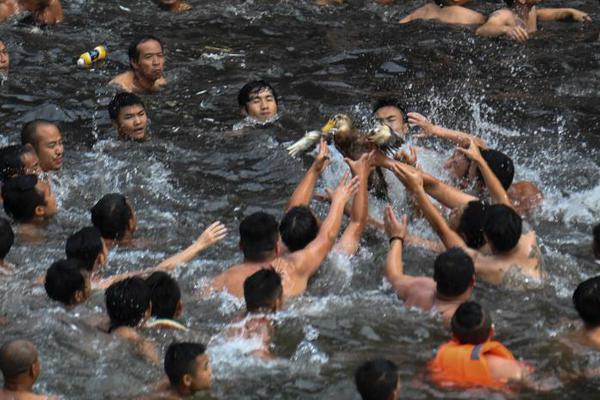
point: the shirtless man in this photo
(519, 19)
(20, 365)
(128, 114)
(512, 251)
(586, 300)
(446, 12)
(45, 12)
(4, 58)
(453, 277)
(259, 241)
(147, 62)
(175, 6)
(46, 139)
(258, 100)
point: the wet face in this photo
(458, 165)
(392, 117)
(151, 61)
(31, 163)
(132, 122)
(261, 105)
(4, 58)
(202, 377)
(49, 147)
(50, 208)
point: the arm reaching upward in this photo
(428, 129)
(304, 191)
(360, 207)
(447, 195)
(394, 266)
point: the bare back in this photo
(10, 395)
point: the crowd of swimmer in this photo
(484, 237)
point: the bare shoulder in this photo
(123, 81)
(127, 333)
(506, 370)
(504, 15)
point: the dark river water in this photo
(539, 102)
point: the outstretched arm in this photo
(447, 195)
(502, 23)
(561, 14)
(413, 181)
(308, 260)
(394, 267)
(304, 191)
(349, 241)
(428, 129)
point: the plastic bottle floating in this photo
(88, 58)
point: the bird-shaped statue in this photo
(352, 143)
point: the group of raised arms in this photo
(477, 215)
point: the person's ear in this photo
(34, 370)
(278, 248)
(187, 380)
(39, 211)
(78, 297)
(178, 308)
(131, 225)
(243, 111)
(473, 281)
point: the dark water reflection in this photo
(538, 102)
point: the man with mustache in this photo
(146, 62)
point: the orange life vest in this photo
(465, 365)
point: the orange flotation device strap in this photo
(465, 365)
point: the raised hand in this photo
(211, 235)
(410, 176)
(346, 189)
(472, 152)
(393, 227)
(422, 122)
(410, 159)
(362, 165)
(323, 159)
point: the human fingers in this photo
(353, 185)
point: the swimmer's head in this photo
(46, 139)
(187, 366)
(258, 99)
(298, 228)
(128, 114)
(459, 166)
(27, 198)
(502, 227)
(586, 300)
(263, 291)
(146, 57)
(390, 112)
(68, 281)
(501, 165)
(114, 217)
(453, 273)
(467, 221)
(4, 57)
(7, 237)
(19, 362)
(87, 246)
(378, 380)
(259, 237)
(165, 295)
(128, 302)
(596, 242)
(18, 160)
(471, 324)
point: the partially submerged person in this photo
(586, 299)
(87, 246)
(175, 6)
(146, 67)
(28, 199)
(378, 380)
(446, 12)
(389, 111)
(7, 239)
(46, 139)
(258, 100)
(518, 20)
(18, 160)
(20, 365)
(166, 301)
(128, 306)
(114, 218)
(260, 244)
(472, 358)
(45, 12)
(453, 275)
(4, 57)
(129, 117)
(68, 282)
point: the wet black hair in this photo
(258, 236)
(21, 197)
(7, 237)
(470, 226)
(596, 240)
(510, 3)
(503, 227)
(253, 88)
(85, 245)
(29, 131)
(134, 52)
(586, 300)
(63, 279)
(471, 324)
(298, 228)
(121, 100)
(377, 379)
(262, 289)
(11, 163)
(180, 359)
(453, 272)
(164, 293)
(127, 302)
(111, 215)
(390, 102)
(501, 165)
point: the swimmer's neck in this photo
(146, 85)
(592, 334)
(181, 391)
(456, 299)
(264, 261)
(18, 387)
(522, 10)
